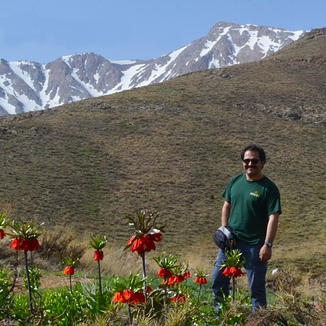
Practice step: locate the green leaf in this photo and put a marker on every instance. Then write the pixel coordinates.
(97, 243)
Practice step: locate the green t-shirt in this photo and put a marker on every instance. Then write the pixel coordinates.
(251, 204)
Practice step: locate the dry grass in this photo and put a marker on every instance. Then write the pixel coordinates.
(118, 262)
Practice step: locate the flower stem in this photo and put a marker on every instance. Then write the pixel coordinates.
(99, 277)
(144, 272)
(198, 295)
(129, 314)
(165, 294)
(28, 283)
(70, 283)
(233, 288)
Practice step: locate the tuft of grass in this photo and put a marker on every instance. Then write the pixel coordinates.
(58, 243)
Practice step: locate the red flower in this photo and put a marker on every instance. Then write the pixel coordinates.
(156, 236)
(69, 270)
(232, 271)
(148, 289)
(175, 279)
(226, 272)
(148, 243)
(130, 240)
(16, 243)
(25, 244)
(139, 297)
(186, 274)
(178, 298)
(2, 234)
(200, 280)
(128, 295)
(171, 281)
(98, 255)
(179, 279)
(162, 272)
(238, 273)
(137, 246)
(118, 297)
(33, 244)
(30, 245)
(144, 243)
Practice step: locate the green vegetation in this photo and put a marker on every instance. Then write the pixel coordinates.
(182, 298)
(84, 306)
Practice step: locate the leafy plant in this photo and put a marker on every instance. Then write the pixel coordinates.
(34, 279)
(65, 308)
(146, 233)
(129, 291)
(200, 279)
(25, 238)
(70, 267)
(6, 288)
(98, 243)
(234, 261)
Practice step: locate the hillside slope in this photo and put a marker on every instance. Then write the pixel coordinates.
(173, 147)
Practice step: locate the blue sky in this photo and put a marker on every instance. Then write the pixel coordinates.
(44, 30)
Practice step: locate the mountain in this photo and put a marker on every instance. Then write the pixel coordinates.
(29, 86)
(172, 147)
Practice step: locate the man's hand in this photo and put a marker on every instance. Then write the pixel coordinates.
(265, 253)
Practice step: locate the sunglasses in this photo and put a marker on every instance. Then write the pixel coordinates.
(253, 161)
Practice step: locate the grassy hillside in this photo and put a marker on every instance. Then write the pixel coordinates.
(172, 147)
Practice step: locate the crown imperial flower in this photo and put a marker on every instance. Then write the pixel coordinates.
(146, 232)
(186, 274)
(162, 272)
(69, 270)
(98, 255)
(201, 280)
(178, 298)
(233, 263)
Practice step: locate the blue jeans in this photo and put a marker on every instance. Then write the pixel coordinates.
(256, 273)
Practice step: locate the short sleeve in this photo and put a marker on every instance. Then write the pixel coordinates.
(274, 201)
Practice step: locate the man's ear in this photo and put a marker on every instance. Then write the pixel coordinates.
(262, 164)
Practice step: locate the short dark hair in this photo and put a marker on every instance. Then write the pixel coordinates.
(253, 147)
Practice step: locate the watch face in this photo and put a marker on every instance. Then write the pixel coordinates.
(268, 244)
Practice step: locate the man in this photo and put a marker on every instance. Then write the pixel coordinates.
(251, 209)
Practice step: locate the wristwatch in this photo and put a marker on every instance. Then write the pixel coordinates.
(269, 244)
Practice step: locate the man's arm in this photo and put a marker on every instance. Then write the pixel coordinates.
(225, 213)
(265, 251)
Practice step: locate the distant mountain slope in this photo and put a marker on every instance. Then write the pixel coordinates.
(29, 86)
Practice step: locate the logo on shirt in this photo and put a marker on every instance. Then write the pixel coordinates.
(255, 194)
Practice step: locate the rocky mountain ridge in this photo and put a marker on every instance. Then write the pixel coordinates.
(29, 86)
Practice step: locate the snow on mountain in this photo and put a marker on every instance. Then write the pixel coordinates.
(29, 86)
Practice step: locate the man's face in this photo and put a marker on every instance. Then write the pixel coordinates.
(252, 165)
